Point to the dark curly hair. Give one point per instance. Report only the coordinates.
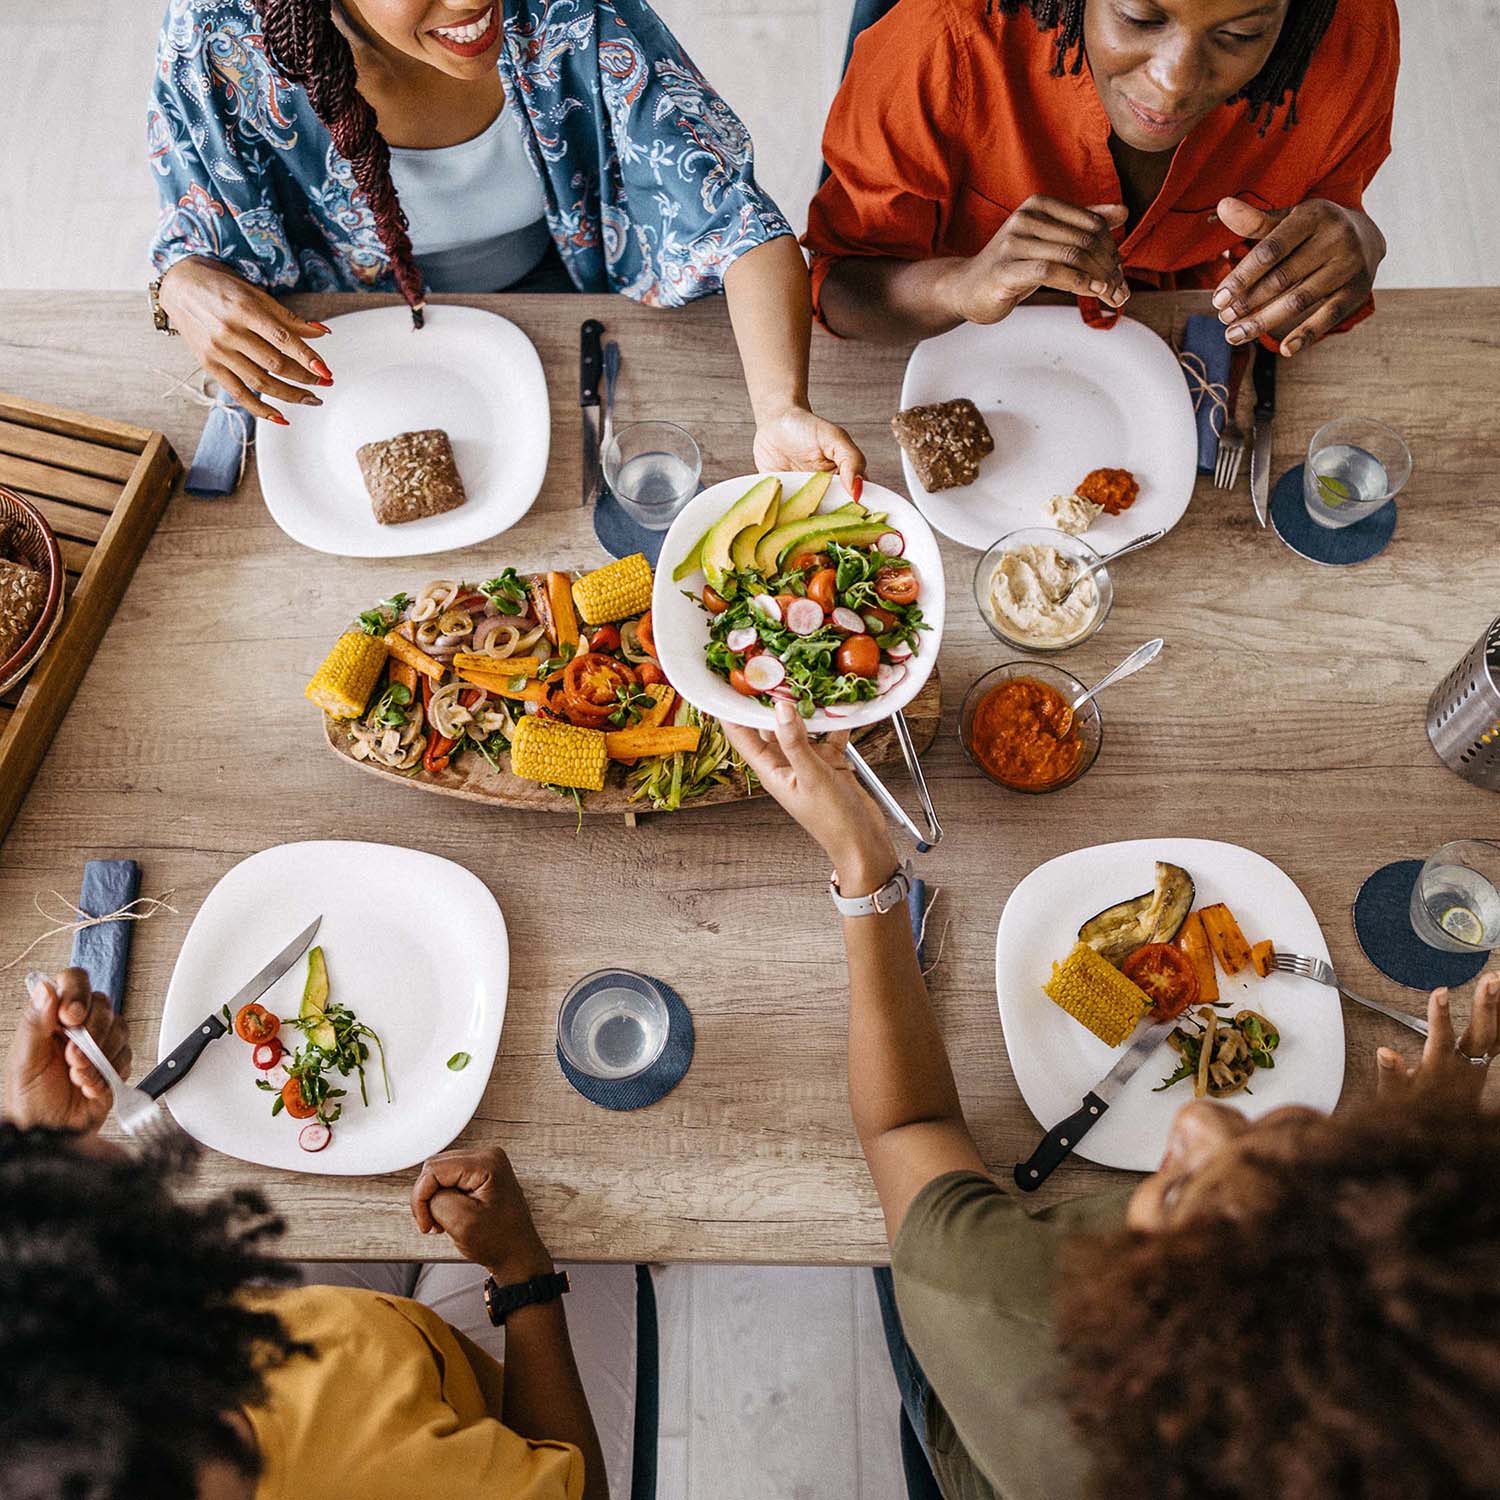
(1278, 80)
(1341, 1339)
(123, 1340)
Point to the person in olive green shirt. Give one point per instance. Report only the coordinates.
(1296, 1306)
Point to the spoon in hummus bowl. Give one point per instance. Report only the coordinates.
(1142, 656)
(1088, 572)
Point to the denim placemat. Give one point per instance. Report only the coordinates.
(1382, 923)
(658, 1080)
(104, 950)
(1331, 546)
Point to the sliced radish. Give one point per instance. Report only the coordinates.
(892, 543)
(888, 676)
(743, 638)
(848, 621)
(764, 673)
(267, 1054)
(766, 604)
(314, 1136)
(783, 694)
(899, 652)
(840, 710)
(804, 616)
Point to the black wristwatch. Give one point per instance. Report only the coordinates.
(501, 1301)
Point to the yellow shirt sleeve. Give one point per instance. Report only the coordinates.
(391, 1409)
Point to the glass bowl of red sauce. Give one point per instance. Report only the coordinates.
(1014, 727)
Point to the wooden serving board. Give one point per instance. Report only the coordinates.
(101, 486)
(476, 780)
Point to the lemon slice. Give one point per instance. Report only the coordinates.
(1459, 922)
(1334, 491)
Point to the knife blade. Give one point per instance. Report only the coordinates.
(590, 368)
(177, 1063)
(1263, 373)
(1057, 1145)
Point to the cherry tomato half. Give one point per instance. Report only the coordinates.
(1167, 975)
(882, 619)
(806, 560)
(822, 588)
(643, 630)
(897, 585)
(713, 601)
(650, 674)
(605, 638)
(295, 1100)
(255, 1024)
(859, 654)
(740, 683)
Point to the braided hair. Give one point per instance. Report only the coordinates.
(306, 45)
(123, 1337)
(1301, 31)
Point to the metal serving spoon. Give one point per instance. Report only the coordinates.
(1088, 572)
(1142, 656)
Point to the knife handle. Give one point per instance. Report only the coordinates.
(182, 1057)
(1057, 1145)
(590, 361)
(1263, 373)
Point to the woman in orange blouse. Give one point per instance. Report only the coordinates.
(982, 149)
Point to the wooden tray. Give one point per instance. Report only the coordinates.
(476, 780)
(101, 486)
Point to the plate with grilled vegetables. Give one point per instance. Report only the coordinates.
(537, 690)
(1103, 940)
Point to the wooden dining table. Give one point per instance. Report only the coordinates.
(1286, 714)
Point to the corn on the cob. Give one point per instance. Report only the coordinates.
(616, 591)
(343, 684)
(1097, 995)
(558, 754)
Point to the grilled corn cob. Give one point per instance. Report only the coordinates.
(1097, 995)
(343, 684)
(616, 591)
(558, 754)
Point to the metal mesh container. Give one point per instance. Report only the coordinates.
(1463, 715)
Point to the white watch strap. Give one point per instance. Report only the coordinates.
(891, 895)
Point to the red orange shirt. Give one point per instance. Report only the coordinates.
(948, 119)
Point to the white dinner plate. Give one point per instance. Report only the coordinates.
(679, 625)
(416, 947)
(1056, 1061)
(472, 373)
(1060, 399)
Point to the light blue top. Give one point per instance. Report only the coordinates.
(477, 213)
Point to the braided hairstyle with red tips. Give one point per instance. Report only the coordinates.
(311, 51)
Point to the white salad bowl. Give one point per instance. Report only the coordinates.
(679, 623)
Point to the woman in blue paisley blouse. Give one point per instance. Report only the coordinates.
(525, 144)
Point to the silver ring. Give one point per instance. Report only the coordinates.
(1475, 1062)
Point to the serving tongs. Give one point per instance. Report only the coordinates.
(881, 793)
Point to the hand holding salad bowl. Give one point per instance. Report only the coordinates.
(785, 588)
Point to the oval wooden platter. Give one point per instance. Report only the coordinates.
(476, 780)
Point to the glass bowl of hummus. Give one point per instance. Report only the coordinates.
(1019, 585)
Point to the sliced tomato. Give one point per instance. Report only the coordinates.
(741, 684)
(713, 601)
(859, 654)
(897, 585)
(591, 686)
(605, 638)
(650, 674)
(295, 1100)
(806, 560)
(883, 618)
(822, 589)
(1167, 975)
(643, 631)
(255, 1024)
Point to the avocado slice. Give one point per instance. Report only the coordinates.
(779, 538)
(749, 510)
(315, 1002)
(806, 501)
(742, 549)
(852, 534)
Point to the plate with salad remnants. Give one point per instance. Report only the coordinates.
(371, 1052)
(1096, 946)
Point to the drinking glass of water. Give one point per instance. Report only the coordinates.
(1455, 904)
(653, 469)
(1354, 466)
(612, 1024)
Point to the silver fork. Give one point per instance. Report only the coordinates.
(137, 1114)
(1231, 451)
(1322, 973)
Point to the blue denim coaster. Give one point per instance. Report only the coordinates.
(104, 951)
(619, 535)
(658, 1080)
(1333, 547)
(1382, 923)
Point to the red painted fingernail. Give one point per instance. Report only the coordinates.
(321, 327)
(321, 369)
(278, 419)
(328, 380)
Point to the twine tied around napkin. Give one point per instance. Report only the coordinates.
(150, 906)
(1215, 392)
(224, 448)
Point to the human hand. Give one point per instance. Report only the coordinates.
(48, 1080)
(799, 439)
(472, 1196)
(814, 783)
(243, 336)
(1045, 242)
(1445, 1068)
(1314, 266)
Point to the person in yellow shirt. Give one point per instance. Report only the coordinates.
(151, 1346)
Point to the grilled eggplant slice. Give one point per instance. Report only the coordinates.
(1117, 931)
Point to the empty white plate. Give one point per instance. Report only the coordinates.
(1060, 399)
(472, 373)
(416, 947)
(1056, 1061)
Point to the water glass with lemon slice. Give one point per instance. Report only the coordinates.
(1455, 904)
(1354, 466)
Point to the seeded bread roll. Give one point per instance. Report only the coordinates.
(944, 441)
(23, 592)
(411, 475)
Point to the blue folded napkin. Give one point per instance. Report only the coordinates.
(219, 464)
(104, 950)
(916, 909)
(1203, 338)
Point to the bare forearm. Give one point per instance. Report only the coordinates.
(770, 309)
(891, 301)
